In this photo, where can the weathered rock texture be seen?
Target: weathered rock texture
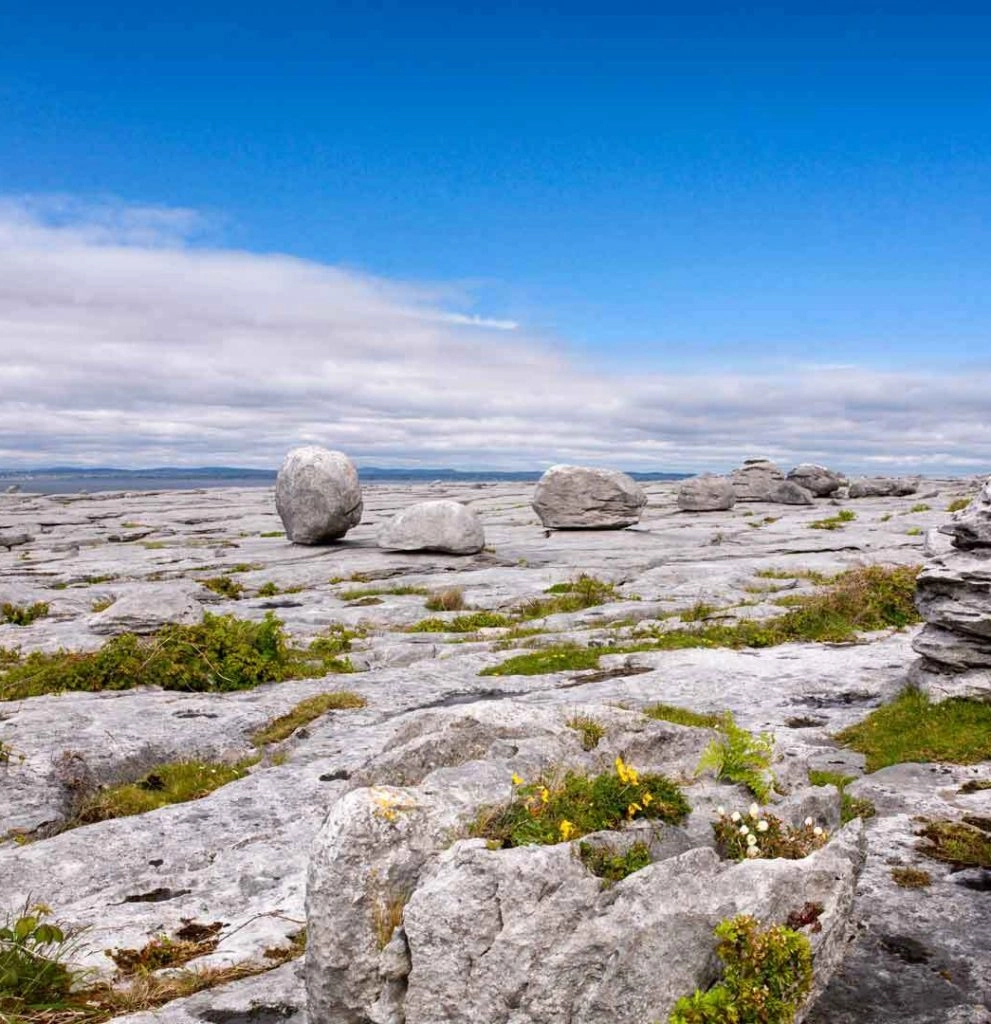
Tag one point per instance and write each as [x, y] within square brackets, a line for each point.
[443, 525]
[756, 480]
[953, 594]
[818, 480]
[790, 493]
[882, 487]
[317, 495]
[706, 493]
[580, 497]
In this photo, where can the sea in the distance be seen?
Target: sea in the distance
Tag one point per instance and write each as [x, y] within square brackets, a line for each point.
[71, 480]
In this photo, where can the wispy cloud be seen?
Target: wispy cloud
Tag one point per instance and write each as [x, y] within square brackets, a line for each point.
[123, 343]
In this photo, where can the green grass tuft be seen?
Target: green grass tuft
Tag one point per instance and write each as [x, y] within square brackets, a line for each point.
[682, 716]
[962, 844]
[469, 623]
[560, 658]
[22, 615]
[303, 713]
[224, 586]
[958, 504]
[612, 865]
[911, 728]
[588, 728]
[850, 806]
[836, 522]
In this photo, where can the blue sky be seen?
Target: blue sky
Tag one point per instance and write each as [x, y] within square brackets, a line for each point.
[643, 193]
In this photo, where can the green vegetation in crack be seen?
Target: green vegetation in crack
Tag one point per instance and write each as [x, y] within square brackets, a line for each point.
[305, 712]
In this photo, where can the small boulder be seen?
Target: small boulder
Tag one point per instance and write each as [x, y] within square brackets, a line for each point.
[317, 495]
[583, 498]
[706, 493]
[445, 526]
[147, 609]
[790, 493]
[971, 527]
[883, 487]
[818, 480]
[756, 480]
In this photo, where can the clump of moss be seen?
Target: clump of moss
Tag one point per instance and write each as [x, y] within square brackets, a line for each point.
[559, 809]
[574, 596]
[451, 599]
[740, 757]
[268, 589]
[101, 605]
[470, 623]
[911, 878]
[612, 865]
[22, 615]
[682, 716]
[558, 658]
[911, 728]
[219, 654]
[357, 593]
[767, 976]
[919, 507]
[272, 533]
[850, 806]
[303, 713]
[836, 522]
[963, 844]
[958, 504]
[224, 586]
[165, 784]
[588, 728]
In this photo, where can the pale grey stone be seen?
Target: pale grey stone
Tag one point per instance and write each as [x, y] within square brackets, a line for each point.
[756, 480]
[443, 525]
[882, 487]
[818, 480]
[788, 492]
[317, 495]
[148, 608]
[582, 497]
[954, 592]
[706, 493]
[971, 527]
[13, 540]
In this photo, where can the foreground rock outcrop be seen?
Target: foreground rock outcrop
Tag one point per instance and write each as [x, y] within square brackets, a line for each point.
[317, 495]
[584, 498]
[443, 525]
[706, 493]
[953, 594]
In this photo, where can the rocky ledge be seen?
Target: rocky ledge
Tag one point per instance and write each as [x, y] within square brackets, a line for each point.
[376, 802]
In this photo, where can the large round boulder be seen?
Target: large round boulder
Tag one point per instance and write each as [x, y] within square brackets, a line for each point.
[446, 526]
[883, 487]
[819, 480]
[706, 493]
[756, 480]
[317, 495]
[787, 492]
[584, 498]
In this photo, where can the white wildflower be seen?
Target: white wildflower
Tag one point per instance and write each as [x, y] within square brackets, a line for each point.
[735, 816]
[762, 826]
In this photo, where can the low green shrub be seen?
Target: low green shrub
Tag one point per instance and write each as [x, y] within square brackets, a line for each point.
[574, 596]
[836, 522]
[224, 586]
[22, 615]
[558, 658]
[767, 976]
[612, 865]
[34, 961]
[470, 623]
[958, 504]
[221, 653]
[559, 809]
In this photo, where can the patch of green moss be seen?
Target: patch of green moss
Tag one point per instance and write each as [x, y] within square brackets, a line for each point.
[272, 533]
[559, 658]
[556, 809]
[911, 878]
[958, 504]
[911, 728]
[836, 522]
[588, 728]
[612, 865]
[22, 615]
[224, 586]
[357, 593]
[220, 653]
[682, 716]
[963, 844]
[767, 976]
[470, 623]
[303, 713]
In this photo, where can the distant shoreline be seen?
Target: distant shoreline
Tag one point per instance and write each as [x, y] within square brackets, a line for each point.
[75, 481]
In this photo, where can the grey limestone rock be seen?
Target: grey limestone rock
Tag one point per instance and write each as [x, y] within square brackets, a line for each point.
[146, 609]
[317, 495]
[443, 525]
[13, 540]
[882, 487]
[788, 492]
[582, 497]
[819, 480]
[756, 480]
[706, 493]
[971, 527]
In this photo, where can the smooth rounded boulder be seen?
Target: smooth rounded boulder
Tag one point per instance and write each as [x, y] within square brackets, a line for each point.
[584, 498]
[883, 487]
[317, 495]
[706, 493]
[818, 480]
[756, 480]
[445, 526]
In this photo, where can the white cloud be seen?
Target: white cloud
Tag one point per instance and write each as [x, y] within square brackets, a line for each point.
[122, 343]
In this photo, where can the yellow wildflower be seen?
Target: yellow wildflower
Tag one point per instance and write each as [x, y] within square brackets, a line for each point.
[632, 809]
[566, 829]
[517, 781]
[627, 775]
[647, 797]
[545, 794]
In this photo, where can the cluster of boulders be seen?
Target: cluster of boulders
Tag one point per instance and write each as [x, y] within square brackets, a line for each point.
[762, 480]
[318, 497]
[953, 594]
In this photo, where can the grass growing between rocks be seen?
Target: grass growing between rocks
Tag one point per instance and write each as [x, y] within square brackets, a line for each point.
[612, 865]
[472, 622]
[22, 615]
[962, 844]
[958, 504]
[911, 878]
[911, 728]
[303, 713]
[857, 601]
[767, 976]
[165, 784]
[224, 586]
[682, 716]
[556, 809]
[221, 653]
[740, 757]
[588, 729]
[850, 806]
[836, 522]
[451, 599]
[357, 593]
